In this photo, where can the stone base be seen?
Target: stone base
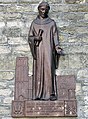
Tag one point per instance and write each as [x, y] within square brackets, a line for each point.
[61, 108]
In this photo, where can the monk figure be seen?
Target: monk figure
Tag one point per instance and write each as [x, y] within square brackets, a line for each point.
[44, 45]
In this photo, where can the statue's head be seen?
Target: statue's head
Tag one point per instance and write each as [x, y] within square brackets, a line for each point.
[43, 9]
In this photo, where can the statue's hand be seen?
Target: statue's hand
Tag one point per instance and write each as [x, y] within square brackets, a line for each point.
[59, 50]
[38, 38]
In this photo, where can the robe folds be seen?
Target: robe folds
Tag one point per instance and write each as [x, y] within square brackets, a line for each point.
[44, 57]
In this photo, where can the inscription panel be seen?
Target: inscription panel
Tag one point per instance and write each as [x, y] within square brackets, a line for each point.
[62, 108]
[44, 108]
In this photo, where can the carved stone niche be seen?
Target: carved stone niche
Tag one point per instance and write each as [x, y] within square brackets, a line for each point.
[24, 106]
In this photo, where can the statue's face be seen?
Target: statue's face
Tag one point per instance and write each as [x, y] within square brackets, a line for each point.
[43, 11]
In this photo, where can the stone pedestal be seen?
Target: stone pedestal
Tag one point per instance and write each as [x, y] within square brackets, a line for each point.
[24, 106]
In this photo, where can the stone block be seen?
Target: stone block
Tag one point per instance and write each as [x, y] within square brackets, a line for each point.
[7, 100]
[63, 62]
[4, 111]
[5, 92]
[75, 61]
[73, 16]
[75, 48]
[15, 24]
[84, 60]
[83, 73]
[6, 75]
[17, 41]
[59, 8]
[5, 50]
[83, 8]
[33, 1]
[78, 89]
[21, 49]
[85, 88]
[2, 24]
[3, 85]
[86, 1]
[7, 62]
[3, 39]
[86, 100]
[81, 30]
[7, 1]
[70, 1]
[12, 32]
[37, 1]
[13, 15]
[2, 15]
[86, 111]
[86, 16]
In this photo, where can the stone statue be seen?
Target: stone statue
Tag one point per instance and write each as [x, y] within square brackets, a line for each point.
[44, 45]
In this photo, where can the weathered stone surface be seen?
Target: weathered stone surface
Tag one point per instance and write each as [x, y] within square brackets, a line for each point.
[86, 1]
[6, 75]
[70, 1]
[78, 89]
[12, 16]
[8, 1]
[12, 32]
[7, 62]
[3, 39]
[5, 50]
[74, 1]
[75, 62]
[64, 63]
[17, 41]
[8, 100]
[37, 1]
[82, 73]
[15, 24]
[4, 110]
[5, 92]
[69, 8]
[21, 49]
[3, 85]
[86, 16]
[2, 24]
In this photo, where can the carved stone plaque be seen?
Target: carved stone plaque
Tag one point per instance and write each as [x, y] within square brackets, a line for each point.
[44, 108]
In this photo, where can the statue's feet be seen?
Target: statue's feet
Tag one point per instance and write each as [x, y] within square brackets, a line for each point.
[53, 97]
[37, 98]
[41, 99]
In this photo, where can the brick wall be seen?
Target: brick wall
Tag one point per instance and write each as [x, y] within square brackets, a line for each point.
[71, 17]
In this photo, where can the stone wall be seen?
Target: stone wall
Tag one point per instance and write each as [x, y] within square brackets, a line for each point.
[71, 17]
